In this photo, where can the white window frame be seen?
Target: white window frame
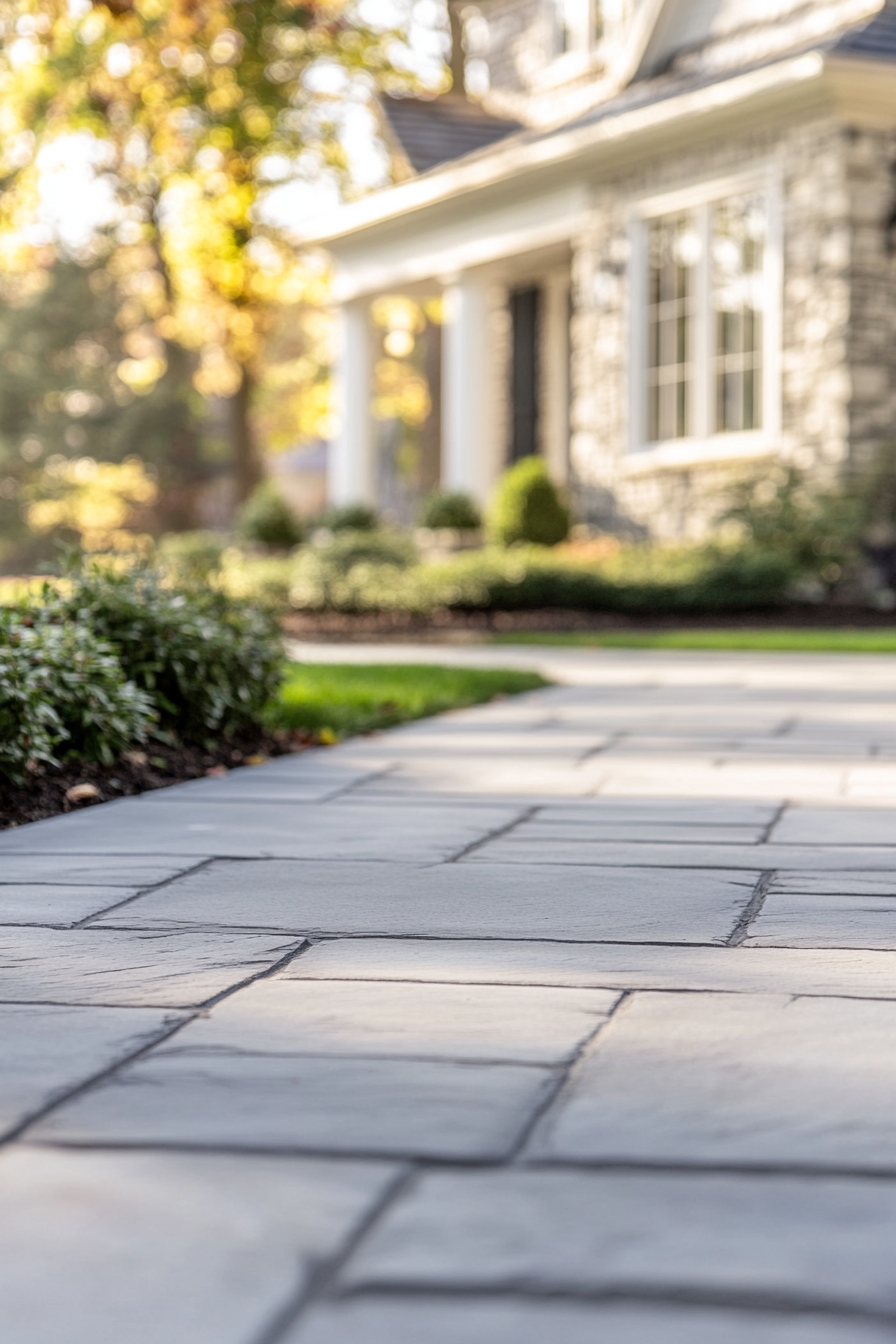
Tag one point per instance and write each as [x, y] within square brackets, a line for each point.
[584, 54]
[705, 443]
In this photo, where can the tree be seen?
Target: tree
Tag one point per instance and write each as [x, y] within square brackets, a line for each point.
[200, 107]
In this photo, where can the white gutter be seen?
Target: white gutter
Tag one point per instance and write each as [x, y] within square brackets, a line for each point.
[529, 153]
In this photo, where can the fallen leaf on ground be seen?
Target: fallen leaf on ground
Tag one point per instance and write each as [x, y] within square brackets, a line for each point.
[82, 793]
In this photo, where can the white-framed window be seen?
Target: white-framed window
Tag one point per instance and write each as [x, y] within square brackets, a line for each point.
[706, 298]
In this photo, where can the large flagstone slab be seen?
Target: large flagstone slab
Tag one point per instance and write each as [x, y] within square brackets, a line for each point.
[734, 1078]
[47, 1051]
[615, 965]
[110, 966]
[447, 1320]
[799, 1241]
[33, 864]
[147, 1248]
[795, 920]
[415, 833]
[55, 903]
[511, 1023]
[452, 900]
[837, 826]
[407, 1108]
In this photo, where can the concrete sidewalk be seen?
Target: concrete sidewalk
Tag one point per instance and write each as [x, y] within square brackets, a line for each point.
[570, 1018]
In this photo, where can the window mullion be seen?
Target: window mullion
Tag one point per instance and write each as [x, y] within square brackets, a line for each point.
[704, 331]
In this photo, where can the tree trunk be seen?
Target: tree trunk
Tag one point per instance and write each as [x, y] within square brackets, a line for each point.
[246, 459]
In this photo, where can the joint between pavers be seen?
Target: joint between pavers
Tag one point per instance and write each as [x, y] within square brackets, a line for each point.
[633, 1294]
[498, 833]
[779, 813]
[144, 891]
[752, 909]
[563, 1075]
[324, 1273]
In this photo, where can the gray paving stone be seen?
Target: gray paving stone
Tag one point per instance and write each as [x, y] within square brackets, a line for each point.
[165, 1247]
[83, 870]
[416, 833]
[511, 1023]
[796, 920]
[805, 1241]
[837, 826]
[452, 900]
[575, 833]
[308, 777]
[499, 1321]
[712, 1078]
[54, 903]
[647, 854]
[663, 811]
[381, 1107]
[46, 1051]
[107, 966]
[623, 966]
[835, 883]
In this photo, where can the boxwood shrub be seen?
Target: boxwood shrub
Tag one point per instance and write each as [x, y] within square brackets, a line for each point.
[209, 663]
[63, 693]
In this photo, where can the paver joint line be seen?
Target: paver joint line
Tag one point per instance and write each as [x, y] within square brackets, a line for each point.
[175, 877]
[752, 908]
[324, 1273]
[498, 833]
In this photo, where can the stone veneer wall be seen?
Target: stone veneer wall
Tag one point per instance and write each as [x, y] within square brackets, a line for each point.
[839, 325]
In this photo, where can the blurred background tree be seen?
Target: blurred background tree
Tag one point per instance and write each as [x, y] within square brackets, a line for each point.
[190, 116]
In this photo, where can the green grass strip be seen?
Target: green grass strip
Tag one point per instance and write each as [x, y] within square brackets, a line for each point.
[343, 699]
[782, 641]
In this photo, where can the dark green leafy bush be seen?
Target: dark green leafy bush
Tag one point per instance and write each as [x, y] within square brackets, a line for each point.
[527, 507]
[454, 509]
[63, 693]
[267, 520]
[209, 662]
[349, 518]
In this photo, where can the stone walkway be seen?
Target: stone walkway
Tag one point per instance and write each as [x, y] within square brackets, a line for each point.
[571, 1018]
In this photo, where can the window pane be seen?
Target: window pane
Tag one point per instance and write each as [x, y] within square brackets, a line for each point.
[674, 253]
[738, 259]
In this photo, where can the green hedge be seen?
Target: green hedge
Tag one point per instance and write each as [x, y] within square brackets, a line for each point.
[526, 579]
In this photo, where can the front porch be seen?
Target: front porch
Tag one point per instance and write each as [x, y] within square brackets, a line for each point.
[493, 350]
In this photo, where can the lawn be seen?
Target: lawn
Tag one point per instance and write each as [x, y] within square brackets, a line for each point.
[763, 641]
[337, 700]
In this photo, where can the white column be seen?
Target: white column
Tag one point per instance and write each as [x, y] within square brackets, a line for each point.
[351, 468]
[466, 419]
[555, 375]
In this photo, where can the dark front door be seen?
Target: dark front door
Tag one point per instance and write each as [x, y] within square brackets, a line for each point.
[524, 306]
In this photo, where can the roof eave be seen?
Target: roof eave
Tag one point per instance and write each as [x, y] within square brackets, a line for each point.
[522, 155]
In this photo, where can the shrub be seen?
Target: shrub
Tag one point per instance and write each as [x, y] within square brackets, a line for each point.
[191, 556]
[63, 693]
[528, 578]
[209, 662]
[527, 507]
[267, 520]
[450, 509]
[782, 515]
[349, 518]
[354, 570]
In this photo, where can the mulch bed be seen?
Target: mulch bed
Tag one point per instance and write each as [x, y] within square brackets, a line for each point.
[460, 626]
[155, 767]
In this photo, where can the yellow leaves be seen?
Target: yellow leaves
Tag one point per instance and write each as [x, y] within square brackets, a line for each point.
[141, 375]
[217, 375]
[101, 501]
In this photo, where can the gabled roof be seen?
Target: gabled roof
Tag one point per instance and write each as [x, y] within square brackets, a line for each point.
[432, 131]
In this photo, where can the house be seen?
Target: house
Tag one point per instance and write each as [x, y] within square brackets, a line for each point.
[668, 259]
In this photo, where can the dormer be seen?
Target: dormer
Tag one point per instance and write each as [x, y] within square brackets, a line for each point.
[542, 61]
